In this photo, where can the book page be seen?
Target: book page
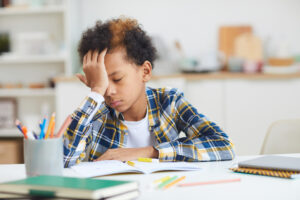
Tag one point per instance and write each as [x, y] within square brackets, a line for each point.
[101, 168]
[154, 166]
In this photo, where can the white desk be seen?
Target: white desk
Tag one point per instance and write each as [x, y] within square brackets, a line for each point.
[250, 187]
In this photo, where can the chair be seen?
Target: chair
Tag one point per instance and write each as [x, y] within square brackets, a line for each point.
[282, 137]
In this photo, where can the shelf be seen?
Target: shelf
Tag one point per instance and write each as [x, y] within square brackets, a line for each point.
[31, 11]
[228, 75]
[205, 76]
[27, 92]
[32, 59]
[10, 132]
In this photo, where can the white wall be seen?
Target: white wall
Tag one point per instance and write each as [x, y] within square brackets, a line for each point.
[195, 22]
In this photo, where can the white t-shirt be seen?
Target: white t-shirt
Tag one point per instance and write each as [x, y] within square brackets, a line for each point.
[138, 131]
[139, 134]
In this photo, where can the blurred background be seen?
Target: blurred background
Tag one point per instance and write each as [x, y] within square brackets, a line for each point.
[237, 61]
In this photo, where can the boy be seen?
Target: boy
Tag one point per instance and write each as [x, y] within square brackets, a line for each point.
[122, 119]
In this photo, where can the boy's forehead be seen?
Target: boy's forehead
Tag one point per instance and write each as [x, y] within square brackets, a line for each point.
[116, 62]
[116, 56]
[117, 53]
[114, 73]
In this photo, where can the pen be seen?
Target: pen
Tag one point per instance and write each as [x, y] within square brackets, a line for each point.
[42, 126]
[30, 135]
[24, 130]
[27, 134]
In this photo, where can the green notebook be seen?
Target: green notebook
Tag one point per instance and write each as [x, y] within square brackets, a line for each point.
[68, 187]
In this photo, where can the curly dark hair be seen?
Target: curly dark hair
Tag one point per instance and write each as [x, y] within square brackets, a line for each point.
[120, 32]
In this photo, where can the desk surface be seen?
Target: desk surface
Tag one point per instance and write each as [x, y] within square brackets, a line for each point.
[250, 187]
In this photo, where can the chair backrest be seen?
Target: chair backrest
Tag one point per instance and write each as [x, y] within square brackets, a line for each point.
[282, 137]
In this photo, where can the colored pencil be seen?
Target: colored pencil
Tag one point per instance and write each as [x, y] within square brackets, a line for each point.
[162, 179]
[130, 163]
[145, 159]
[52, 129]
[174, 182]
[166, 182]
[64, 127]
[210, 182]
[18, 124]
[35, 135]
[50, 125]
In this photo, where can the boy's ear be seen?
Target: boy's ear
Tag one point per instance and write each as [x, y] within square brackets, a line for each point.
[147, 71]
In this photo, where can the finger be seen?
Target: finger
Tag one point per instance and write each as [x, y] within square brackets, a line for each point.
[95, 56]
[98, 159]
[82, 78]
[101, 158]
[102, 55]
[84, 59]
[89, 56]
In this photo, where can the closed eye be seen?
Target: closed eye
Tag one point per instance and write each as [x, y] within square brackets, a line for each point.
[117, 80]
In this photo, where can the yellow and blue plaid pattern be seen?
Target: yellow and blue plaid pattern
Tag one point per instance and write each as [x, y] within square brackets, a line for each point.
[168, 113]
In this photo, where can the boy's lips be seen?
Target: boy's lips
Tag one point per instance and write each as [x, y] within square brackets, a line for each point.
[115, 103]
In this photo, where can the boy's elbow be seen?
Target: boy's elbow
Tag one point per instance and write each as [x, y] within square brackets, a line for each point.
[227, 152]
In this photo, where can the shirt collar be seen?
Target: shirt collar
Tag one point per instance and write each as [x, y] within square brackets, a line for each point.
[153, 108]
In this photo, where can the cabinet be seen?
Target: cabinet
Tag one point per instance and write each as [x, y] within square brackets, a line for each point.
[25, 75]
[243, 105]
[252, 105]
[11, 151]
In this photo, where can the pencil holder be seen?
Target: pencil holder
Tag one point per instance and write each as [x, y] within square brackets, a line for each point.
[43, 157]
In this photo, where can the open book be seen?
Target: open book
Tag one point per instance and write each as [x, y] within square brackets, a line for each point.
[101, 168]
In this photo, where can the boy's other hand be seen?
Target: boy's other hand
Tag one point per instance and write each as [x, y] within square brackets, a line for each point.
[95, 73]
[127, 154]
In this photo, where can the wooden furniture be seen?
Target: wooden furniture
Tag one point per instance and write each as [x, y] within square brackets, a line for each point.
[11, 150]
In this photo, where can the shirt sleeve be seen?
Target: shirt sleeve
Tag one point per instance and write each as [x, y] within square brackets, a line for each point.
[78, 135]
[204, 140]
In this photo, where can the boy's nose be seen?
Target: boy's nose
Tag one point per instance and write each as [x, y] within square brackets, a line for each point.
[110, 90]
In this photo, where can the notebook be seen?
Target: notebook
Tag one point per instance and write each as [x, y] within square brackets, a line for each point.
[74, 188]
[277, 166]
[107, 167]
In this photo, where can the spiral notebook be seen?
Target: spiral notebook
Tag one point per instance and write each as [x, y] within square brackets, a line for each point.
[277, 166]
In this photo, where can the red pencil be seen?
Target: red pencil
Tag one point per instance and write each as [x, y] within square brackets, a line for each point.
[64, 127]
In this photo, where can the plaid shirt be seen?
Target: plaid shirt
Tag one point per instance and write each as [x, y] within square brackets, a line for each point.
[168, 113]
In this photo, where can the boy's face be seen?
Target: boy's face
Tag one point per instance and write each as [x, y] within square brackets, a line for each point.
[126, 81]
